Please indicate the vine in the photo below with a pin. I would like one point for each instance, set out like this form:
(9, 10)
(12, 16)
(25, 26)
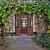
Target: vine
(39, 9)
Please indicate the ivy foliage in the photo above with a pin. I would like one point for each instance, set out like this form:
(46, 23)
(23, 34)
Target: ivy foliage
(43, 39)
(4, 10)
(12, 1)
(39, 9)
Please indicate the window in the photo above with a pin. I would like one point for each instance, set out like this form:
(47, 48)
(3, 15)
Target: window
(30, 21)
(24, 21)
(17, 21)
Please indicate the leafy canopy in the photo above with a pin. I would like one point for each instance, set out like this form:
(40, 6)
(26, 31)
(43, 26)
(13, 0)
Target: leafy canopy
(39, 9)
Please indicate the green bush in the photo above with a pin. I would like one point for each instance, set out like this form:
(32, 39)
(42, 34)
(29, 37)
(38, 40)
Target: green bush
(43, 40)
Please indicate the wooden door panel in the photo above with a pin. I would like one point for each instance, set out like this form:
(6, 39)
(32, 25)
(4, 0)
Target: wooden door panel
(24, 30)
(24, 24)
(30, 25)
(30, 31)
(18, 31)
(18, 23)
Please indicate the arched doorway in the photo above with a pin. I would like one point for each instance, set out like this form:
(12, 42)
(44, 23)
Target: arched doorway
(24, 24)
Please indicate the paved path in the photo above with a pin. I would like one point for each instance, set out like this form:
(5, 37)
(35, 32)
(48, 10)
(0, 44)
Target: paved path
(23, 43)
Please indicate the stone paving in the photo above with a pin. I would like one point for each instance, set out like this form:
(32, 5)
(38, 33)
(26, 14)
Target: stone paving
(23, 43)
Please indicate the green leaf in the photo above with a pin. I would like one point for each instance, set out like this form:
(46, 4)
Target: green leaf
(5, 6)
(1, 14)
(0, 8)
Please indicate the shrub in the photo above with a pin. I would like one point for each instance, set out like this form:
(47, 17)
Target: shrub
(43, 40)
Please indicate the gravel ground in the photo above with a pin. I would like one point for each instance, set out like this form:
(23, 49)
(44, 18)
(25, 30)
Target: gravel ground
(22, 43)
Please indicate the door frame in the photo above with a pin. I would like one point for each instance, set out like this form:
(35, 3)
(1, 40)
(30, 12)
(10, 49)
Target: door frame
(28, 32)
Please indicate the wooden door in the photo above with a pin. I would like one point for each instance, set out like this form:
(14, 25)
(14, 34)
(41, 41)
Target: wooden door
(24, 24)
(18, 25)
(30, 25)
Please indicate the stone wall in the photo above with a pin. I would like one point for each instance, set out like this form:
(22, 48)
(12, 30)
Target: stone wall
(11, 24)
(40, 24)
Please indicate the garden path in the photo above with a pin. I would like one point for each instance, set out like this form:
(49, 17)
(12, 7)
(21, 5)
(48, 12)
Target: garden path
(22, 43)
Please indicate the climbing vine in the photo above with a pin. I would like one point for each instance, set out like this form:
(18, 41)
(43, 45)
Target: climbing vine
(39, 9)
(4, 10)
